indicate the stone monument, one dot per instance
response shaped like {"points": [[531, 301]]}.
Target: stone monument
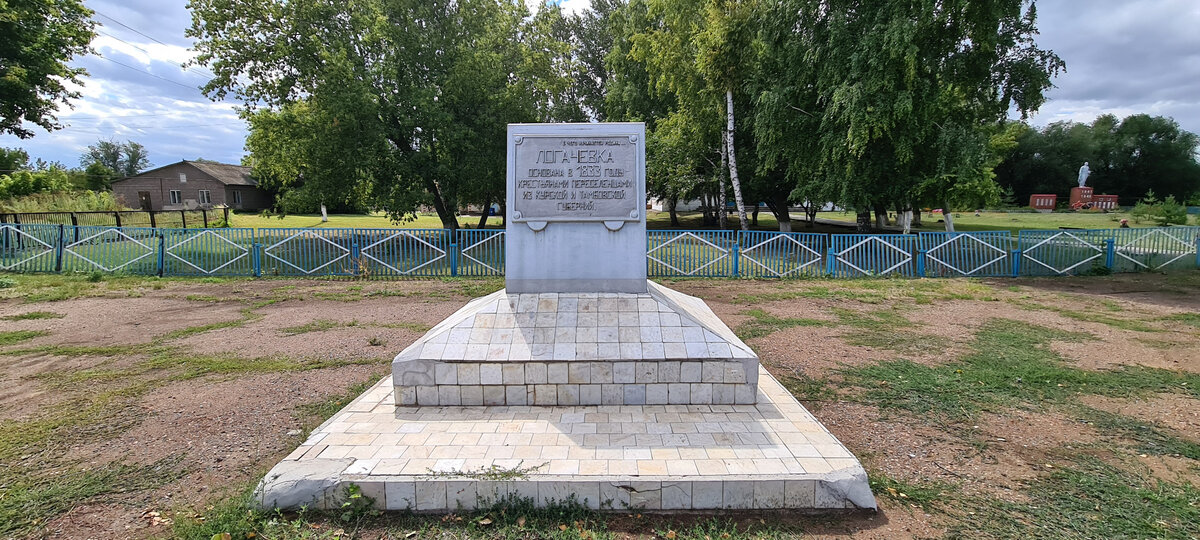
{"points": [[580, 379]]}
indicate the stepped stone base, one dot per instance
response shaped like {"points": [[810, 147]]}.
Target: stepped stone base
{"points": [[662, 347], [769, 455]]}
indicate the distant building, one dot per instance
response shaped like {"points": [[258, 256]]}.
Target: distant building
{"points": [[191, 185]]}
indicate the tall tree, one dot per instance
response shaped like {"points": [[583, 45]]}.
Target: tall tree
{"points": [[431, 85], [37, 40], [903, 91], [124, 159]]}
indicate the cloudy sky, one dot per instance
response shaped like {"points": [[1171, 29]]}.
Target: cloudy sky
{"points": [[1123, 57]]}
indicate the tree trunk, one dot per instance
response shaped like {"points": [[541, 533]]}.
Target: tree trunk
{"points": [[503, 215], [916, 218], [864, 221], [881, 220], [444, 211], [672, 202], [732, 151], [811, 212], [722, 222], [779, 207], [487, 206], [948, 216], [324, 214], [754, 216]]}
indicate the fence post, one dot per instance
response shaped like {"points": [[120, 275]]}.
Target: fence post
{"points": [[921, 263], [58, 250], [737, 256], [227, 224], [453, 258], [75, 225], [183, 218], [1110, 253], [117, 215], [153, 224], [205, 214], [256, 258], [830, 258], [355, 254], [1198, 251], [162, 252], [1016, 263]]}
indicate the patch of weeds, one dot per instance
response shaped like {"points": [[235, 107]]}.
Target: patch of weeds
{"points": [[415, 327], [476, 287], [923, 495], [338, 296], [807, 389], [319, 325], [763, 324], [74, 350], [1150, 439], [32, 499], [493, 473], [376, 341], [1190, 319], [1091, 499], [327, 408], [726, 529], [184, 365], [1126, 323], [1011, 364], [7, 283], [885, 329], [822, 293], [194, 330], [237, 517], [33, 315], [207, 298], [16, 336]]}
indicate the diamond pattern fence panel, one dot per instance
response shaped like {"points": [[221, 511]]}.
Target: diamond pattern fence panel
{"points": [[307, 252], [208, 252], [780, 255], [975, 254], [29, 248], [1062, 252], [481, 252], [128, 250], [1136, 250], [690, 253], [392, 253], [858, 255]]}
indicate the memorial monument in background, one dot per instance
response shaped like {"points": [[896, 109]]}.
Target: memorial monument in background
{"points": [[581, 379]]}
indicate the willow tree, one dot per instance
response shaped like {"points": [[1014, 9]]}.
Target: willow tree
{"points": [[429, 86], [901, 94]]}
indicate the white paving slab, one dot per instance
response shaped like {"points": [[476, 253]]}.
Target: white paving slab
{"points": [[772, 454]]}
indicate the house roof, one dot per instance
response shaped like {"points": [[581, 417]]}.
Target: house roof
{"points": [[225, 173]]}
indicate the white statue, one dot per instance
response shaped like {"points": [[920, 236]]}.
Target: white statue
{"points": [[1084, 171]]}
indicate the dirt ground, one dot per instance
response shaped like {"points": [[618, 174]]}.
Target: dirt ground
{"points": [[184, 396]]}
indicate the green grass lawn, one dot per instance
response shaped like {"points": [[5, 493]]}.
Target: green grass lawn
{"points": [[965, 221]]}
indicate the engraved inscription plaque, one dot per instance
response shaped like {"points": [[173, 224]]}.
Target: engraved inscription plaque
{"points": [[576, 178]]}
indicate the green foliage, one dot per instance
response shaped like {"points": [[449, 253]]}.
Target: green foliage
{"points": [[1126, 158], [7, 283], [763, 324], [38, 39], [24, 183], [1163, 213], [122, 159], [396, 103], [16, 336], [63, 201]]}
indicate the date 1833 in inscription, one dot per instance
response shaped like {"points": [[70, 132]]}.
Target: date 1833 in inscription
{"points": [[576, 178]]}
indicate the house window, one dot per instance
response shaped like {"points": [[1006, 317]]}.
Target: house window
{"points": [[176, 196], [182, 178], [237, 197], [205, 197]]}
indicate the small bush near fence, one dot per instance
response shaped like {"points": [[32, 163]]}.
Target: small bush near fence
{"points": [[393, 253]]}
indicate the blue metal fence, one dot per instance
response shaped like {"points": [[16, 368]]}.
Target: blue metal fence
{"points": [[395, 253]]}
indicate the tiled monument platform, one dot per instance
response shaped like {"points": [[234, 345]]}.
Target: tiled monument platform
{"points": [[669, 411], [581, 379], [657, 348]]}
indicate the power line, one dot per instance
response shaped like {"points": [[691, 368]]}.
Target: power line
{"points": [[147, 73], [138, 32], [148, 53]]}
